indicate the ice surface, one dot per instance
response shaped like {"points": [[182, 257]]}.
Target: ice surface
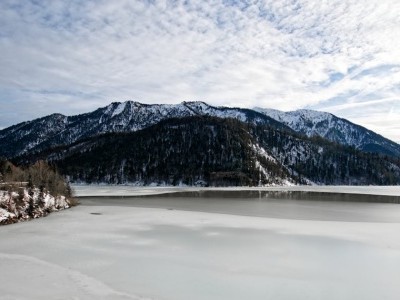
{"points": [[120, 190], [123, 252], [131, 190]]}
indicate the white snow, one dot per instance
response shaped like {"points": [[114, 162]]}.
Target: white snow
{"points": [[301, 120], [82, 190], [261, 151], [14, 208], [119, 109], [124, 252], [4, 214], [317, 123]]}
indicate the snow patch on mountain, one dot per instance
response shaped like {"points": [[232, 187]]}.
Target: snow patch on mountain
{"points": [[119, 109], [323, 124], [261, 151]]}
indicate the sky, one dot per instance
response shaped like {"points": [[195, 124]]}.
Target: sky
{"points": [[70, 57]]}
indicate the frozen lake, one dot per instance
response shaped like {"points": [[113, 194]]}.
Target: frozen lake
{"points": [[129, 190], [204, 244]]}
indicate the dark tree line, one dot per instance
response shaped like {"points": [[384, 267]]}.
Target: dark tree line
{"points": [[180, 151]]}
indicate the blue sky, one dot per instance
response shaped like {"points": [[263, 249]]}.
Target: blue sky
{"points": [[74, 56]]}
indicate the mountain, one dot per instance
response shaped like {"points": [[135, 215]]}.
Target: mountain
{"points": [[129, 116], [56, 129], [342, 131], [213, 151]]}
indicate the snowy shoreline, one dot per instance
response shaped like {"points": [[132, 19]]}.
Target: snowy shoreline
{"points": [[29, 204]]}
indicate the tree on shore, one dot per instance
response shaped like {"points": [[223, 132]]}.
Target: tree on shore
{"points": [[40, 175]]}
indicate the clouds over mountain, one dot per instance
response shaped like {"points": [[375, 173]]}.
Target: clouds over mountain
{"points": [[339, 56]]}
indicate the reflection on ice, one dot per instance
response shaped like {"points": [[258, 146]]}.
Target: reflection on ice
{"points": [[129, 190], [273, 204]]}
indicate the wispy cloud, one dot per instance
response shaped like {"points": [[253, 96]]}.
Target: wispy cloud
{"points": [[72, 56]]}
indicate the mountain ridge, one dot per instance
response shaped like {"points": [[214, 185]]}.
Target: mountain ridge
{"points": [[126, 116], [333, 128], [129, 116]]}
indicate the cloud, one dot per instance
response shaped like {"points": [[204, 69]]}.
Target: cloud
{"points": [[73, 56]]}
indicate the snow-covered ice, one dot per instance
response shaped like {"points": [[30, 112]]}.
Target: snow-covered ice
{"points": [[82, 190], [120, 251]]}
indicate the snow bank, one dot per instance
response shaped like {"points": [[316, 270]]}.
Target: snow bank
{"points": [[28, 204]]}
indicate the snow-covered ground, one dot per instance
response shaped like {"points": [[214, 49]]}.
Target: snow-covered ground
{"points": [[30, 204], [123, 252]]}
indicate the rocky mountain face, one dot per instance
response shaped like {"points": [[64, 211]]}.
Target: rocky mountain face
{"points": [[215, 151], [326, 125], [127, 116]]}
